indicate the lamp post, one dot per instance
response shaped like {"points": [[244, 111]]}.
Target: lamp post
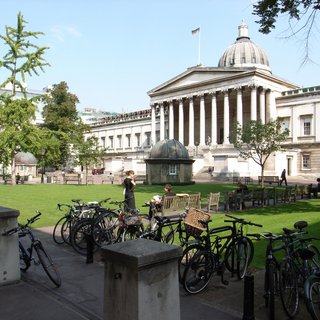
{"points": [[43, 152]]}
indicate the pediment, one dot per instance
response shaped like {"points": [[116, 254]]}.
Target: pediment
{"points": [[195, 77]]}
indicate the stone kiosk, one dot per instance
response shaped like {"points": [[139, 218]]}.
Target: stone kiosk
{"points": [[141, 281], [9, 247]]}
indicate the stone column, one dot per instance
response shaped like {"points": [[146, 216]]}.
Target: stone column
{"points": [[239, 107], [202, 134], [181, 122], [254, 103], [262, 103], [171, 120], [191, 122], [153, 124], [271, 106], [162, 126], [226, 117], [214, 119], [141, 281]]}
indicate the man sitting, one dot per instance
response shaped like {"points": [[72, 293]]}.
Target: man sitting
{"points": [[314, 190]]}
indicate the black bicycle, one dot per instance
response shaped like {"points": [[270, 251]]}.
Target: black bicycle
{"points": [[26, 253]]}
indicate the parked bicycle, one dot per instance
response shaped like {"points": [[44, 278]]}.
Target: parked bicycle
{"points": [[26, 253]]}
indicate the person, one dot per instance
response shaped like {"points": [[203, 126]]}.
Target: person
{"points": [[210, 171], [18, 177], [314, 190], [111, 177], [283, 177], [243, 189], [129, 185]]}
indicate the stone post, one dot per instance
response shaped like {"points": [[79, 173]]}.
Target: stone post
{"points": [[9, 247], [141, 281]]}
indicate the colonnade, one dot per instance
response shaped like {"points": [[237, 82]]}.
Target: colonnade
{"points": [[213, 112]]}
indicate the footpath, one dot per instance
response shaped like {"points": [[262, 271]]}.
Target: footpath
{"points": [[81, 295]]}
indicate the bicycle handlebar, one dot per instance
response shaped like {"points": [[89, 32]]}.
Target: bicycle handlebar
{"points": [[242, 221]]}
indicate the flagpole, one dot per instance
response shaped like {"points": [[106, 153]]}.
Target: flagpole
{"points": [[199, 42]]}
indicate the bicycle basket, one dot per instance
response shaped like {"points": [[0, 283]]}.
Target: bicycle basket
{"points": [[192, 224]]}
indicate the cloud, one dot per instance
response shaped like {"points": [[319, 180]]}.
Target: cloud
{"points": [[62, 32]]}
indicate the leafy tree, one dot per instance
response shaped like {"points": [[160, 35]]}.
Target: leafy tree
{"points": [[61, 116], [18, 133], [257, 141], [306, 10]]}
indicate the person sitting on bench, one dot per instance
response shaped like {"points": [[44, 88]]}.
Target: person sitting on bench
{"points": [[314, 190]]}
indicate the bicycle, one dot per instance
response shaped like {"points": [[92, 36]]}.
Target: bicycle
{"points": [[208, 256], [26, 253], [312, 295]]}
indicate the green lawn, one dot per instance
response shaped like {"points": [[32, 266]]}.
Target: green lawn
{"points": [[28, 198]]}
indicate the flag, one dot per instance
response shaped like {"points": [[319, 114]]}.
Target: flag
{"points": [[195, 31]]}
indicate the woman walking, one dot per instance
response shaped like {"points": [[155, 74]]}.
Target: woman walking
{"points": [[129, 185]]}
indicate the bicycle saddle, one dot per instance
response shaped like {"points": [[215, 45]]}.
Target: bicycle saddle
{"points": [[300, 225]]}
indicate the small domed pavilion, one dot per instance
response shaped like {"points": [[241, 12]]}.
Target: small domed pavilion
{"points": [[169, 162], [26, 164]]}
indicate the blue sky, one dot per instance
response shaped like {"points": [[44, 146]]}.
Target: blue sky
{"points": [[112, 52]]}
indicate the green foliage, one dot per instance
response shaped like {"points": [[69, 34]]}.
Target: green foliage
{"points": [[22, 56], [258, 141], [269, 10]]}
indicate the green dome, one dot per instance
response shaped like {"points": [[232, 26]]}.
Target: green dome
{"points": [[169, 149]]}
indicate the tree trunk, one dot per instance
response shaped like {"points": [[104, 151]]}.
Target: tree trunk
{"points": [[13, 170]]}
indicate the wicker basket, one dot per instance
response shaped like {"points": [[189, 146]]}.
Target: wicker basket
{"points": [[192, 224]]}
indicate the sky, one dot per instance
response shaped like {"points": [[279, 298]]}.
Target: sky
{"points": [[112, 52]]}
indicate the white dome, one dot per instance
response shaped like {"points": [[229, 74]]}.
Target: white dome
{"points": [[244, 53]]}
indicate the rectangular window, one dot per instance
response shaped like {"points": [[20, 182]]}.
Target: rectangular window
{"points": [[128, 140], [306, 128], [119, 138], [172, 169], [111, 142], [103, 142], [285, 123], [138, 140], [148, 139], [306, 161]]}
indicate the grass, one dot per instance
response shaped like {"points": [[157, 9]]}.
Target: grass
{"points": [[45, 197]]}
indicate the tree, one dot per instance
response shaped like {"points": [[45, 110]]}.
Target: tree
{"points": [[257, 141], [61, 116], [306, 10], [16, 115]]}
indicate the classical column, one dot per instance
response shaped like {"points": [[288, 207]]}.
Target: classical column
{"points": [[262, 103], [162, 128], [181, 124], [271, 106], [202, 122], [226, 118], [239, 107], [254, 103], [153, 124], [214, 119], [171, 121], [191, 122]]}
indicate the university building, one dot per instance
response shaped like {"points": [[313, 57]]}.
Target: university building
{"points": [[199, 108]]}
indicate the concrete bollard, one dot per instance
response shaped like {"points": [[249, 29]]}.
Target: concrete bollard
{"points": [[248, 298], [9, 247], [141, 281]]}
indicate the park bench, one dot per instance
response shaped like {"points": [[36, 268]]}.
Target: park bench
{"points": [[245, 180], [269, 179], [175, 205], [72, 177]]}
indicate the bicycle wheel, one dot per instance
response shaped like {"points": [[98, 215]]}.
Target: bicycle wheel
{"points": [[314, 263], [288, 286], [187, 255], [47, 264], [80, 235], [168, 236], [198, 272], [24, 259], [312, 294], [243, 257], [270, 287], [132, 232], [57, 233], [66, 230], [104, 228]]}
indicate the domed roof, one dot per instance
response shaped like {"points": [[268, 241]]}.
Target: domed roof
{"points": [[169, 149], [25, 158], [244, 53]]}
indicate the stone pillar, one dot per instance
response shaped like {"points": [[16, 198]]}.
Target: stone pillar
{"points": [[171, 121], [262, 103], [141, 281], [162, 127], [226, 118], [239, 107], [202, 133], [153, 124], [214, 119], [191, 122], [9, 247], [271, 106], [181, 122], [254, 103]]}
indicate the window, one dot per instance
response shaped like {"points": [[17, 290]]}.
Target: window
{"points": [[138, 140], [172, 169], [306, 161], [103, 142], [119, 138], [148, 138], [128, 140], [111, 142], [285, 123], [306, 129]]}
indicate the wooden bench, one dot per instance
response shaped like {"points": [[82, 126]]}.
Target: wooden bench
{"points": [[269, 179], [72, 177], [175, 205]]}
